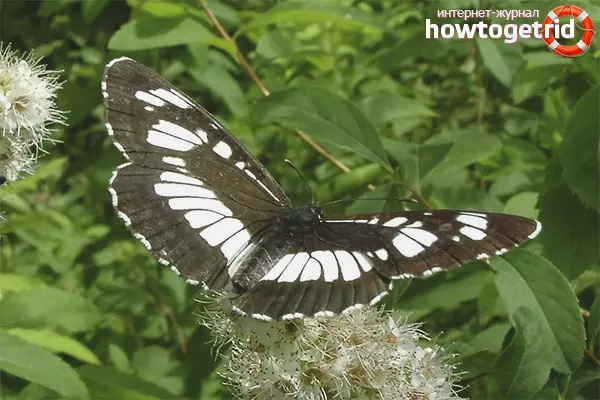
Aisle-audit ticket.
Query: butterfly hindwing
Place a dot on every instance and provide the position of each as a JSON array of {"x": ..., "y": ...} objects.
[
  {"x": 348, "y": 262},
  {"x": 190, "y": 191}
]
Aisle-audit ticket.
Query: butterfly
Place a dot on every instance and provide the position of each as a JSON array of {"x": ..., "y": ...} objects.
[{"x": 205, "y": 207}]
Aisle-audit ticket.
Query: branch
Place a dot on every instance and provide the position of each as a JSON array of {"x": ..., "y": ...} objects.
[{"x": 248, "y": 68}]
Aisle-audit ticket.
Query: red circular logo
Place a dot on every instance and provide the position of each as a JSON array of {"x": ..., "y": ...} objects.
[{"x": 586, "y": 25}]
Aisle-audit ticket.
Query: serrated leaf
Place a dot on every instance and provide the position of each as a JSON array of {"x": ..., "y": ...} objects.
[
  {"x": 57, "y": 343},
  {"x": 593, "y": 322},
  {"x": 108, "y": 383},
  {"x": 326, "y": 116},
  {"x": 38, "y": 365},
  {"x": 524, "y": 367},
  {"x": 580, "y": 379},
  {"x": 580, "y": 149},
  {"x": 534, "y": 289},
  {"x": 571, "y": 231},
  {"x": 151, "y": 33},
  {"x": 47, "y": 307},
  {"x": 312, "y": 12}
]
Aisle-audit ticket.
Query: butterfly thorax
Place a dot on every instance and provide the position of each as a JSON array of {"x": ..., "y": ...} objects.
[{"x": 300, "y": 219}]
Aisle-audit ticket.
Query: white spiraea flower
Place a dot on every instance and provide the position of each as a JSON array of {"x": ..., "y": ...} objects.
[
  {"x": 27, "y": 110},
  {"x": 365, "y": 354}
]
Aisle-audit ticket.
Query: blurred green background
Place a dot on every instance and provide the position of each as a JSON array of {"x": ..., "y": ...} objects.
[{"x": 85, "y": 312}]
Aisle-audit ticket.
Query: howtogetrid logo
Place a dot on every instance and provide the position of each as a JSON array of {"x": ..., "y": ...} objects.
[{"x": 551, "y": 29}]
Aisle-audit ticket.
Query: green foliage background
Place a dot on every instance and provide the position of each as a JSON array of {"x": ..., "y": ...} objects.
[{"x": 85, "y": 312}]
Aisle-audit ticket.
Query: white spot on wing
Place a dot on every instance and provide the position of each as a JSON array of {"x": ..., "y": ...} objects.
[
  {"x": 181, "y": 190},
  {"x": 223, "y": 150},
  {"x": 180, "y": 178},
  {"x": 149, "y": 108},
  {"x": 499, "y": 252},
  {"x": 176, "y": 161},
  {"x": 482, "y": 256},
  {"x": 167, "y": 142},
  {"x": 250, "y": 174},
  {"x": 472, "y": 220},
  {"x": 278, "y": 268},
  {"x": 456, "y": 238},
  {"x": 377, "y": 298},
  {"x": 170, "y": 97},
  {"x": 420, "y": 235},
  {"x": 432, "y": 271},
  {"x": 472, "y": 233},
  {"x": 294, "y": 268},
  {"x": 186, "y": 203},
  {"x": 374, "y": 221},
  {"x": 221, "y": 231},
  {"x": 311, "y": 271},
  {"x": 202, "y": 134},
  {"x": 148, "y": 98},
  {"x": 240, "y": 164},
  {"x": 348, "y": 265},
  {"x": 177, "y": 131},
  {"x": 382, "y": 254},
  {"x": 116, "y": 60},
  {"x": 363, "y": 261},
  {"x": 234, "y": 244},
  {"x": 407, "y": 246},
  {"x": 174, "y": 269},
  {"x": 200, "y": 218},
  {"x": 394, "y": 222},
  {"x": 329, "y": 263}
]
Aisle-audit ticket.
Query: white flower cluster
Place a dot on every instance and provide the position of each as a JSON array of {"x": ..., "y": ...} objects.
[
  {"x": 27, "y": 109},
  {"x": 361, "y": 355}
]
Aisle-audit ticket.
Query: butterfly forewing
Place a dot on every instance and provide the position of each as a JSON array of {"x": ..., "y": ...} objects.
[{"x": 193, "y": 195}]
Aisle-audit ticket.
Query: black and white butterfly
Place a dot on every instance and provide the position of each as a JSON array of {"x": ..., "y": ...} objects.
[{"x": 203, "y": 205}]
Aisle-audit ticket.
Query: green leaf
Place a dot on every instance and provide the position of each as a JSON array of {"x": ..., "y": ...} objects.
[
  {"x": 326, "y": 116},
  {"x": 221, "y": 83},
  {"x": 47, "y": 307},
  {"x": 313, "y": 12},
  {"x": 151, "y": 33},
  {"x": 275, "y": 44},
  {"x": 438, "y": 292},
  {"x": 18, "y": 283},
  {"x": 108, "y": 383},
  {"x": 593, "y": 322},
  {"x": 580, "y": 379},
  {"x": 580, "y": 149},
  {"x": 532, "y": 80},
  {"x": 524, "y": 367},
  {"x": 357, "y": 177},
  {"x": 386, "y": 107},
  {"x": 32, "y": 363},
  {"x": 552, "y": 328},
  {"x": 495, "y": 59},
  {"x": 119, "y": 358},
  {"x": 469, "y": 147},
  {"x": 381, "y": 196},
  {"x": 523, "y": 204},
  {"x": 57, "y": 343},
  {"x": 571, "y": 231}
]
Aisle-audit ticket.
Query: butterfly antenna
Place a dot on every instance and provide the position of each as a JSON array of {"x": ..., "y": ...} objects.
[
  {"x": 312, "y": 194},
  {"x": 402, "y": 200}
]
